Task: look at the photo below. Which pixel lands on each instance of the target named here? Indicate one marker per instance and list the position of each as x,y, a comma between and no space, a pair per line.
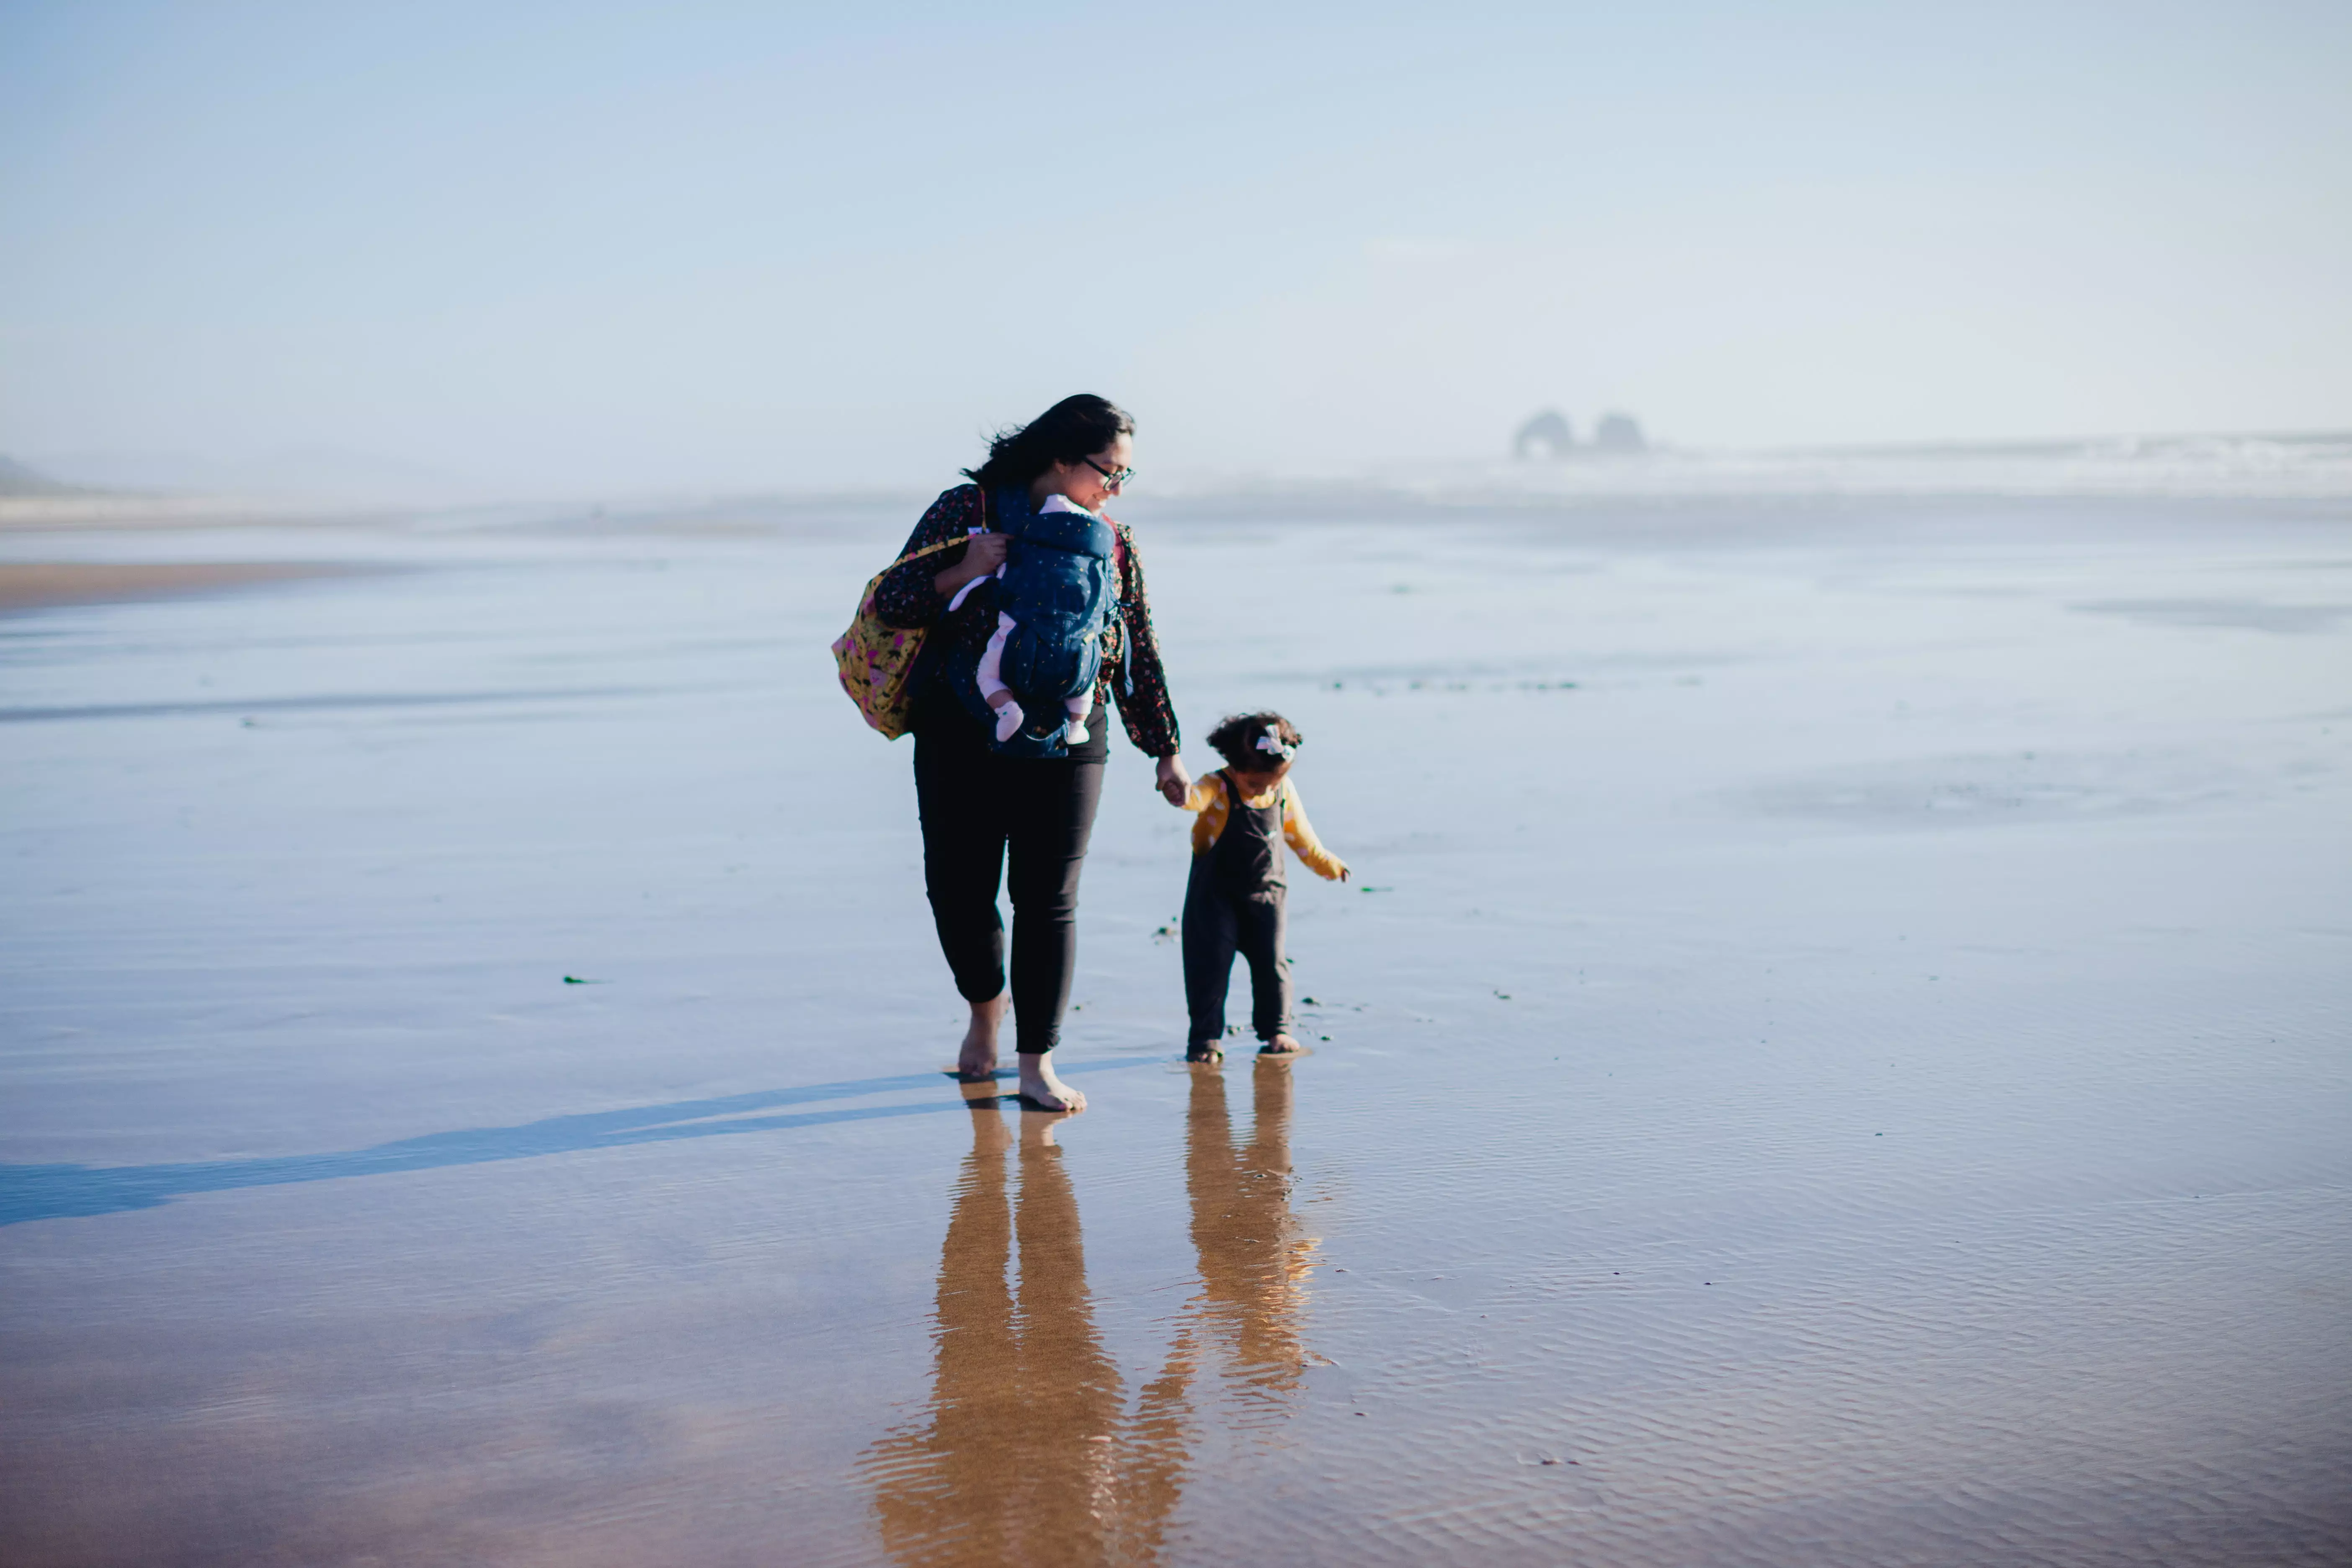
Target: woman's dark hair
1236,739
1073,428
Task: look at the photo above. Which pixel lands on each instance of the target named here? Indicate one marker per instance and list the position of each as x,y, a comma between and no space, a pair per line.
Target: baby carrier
1057,587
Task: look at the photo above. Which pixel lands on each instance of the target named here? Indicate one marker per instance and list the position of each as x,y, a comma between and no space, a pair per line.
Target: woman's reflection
1014,1463
1026,1453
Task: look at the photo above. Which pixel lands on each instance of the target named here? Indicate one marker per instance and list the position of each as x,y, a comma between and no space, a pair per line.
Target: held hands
1174,782
982,554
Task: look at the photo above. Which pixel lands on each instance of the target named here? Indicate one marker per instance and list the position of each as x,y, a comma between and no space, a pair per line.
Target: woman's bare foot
1280,1045
1202,1051
1041,1088
976,1063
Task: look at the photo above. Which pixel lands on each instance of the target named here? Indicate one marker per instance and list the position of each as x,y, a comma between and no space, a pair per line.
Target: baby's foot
1280,1045
1077,733
1202,1051
1043,1089
1008,720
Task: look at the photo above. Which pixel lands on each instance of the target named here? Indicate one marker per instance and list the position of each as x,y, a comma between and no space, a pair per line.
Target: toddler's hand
1344,873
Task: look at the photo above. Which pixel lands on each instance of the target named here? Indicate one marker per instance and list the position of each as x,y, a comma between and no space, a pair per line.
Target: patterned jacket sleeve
905,597
1147,712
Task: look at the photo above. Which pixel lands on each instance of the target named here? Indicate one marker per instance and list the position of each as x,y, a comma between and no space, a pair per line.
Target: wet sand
83,512
1838,1052
39,585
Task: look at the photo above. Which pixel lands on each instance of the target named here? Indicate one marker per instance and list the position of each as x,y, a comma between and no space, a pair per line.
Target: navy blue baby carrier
1057,587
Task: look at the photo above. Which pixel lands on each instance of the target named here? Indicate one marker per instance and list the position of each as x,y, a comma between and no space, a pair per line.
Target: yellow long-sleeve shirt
1211,797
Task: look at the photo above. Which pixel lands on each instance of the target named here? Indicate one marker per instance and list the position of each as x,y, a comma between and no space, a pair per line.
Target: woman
976,804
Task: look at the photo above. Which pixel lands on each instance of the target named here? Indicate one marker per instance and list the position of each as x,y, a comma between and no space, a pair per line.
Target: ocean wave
2289,466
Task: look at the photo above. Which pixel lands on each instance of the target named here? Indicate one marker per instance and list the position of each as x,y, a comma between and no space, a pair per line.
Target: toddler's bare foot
976,1063
1280,1045
1202,1051
1041,1088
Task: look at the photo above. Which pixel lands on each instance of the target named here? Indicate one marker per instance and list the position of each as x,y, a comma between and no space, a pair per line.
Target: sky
573,248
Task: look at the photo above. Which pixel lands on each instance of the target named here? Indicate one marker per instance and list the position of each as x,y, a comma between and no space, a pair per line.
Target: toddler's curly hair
1236,737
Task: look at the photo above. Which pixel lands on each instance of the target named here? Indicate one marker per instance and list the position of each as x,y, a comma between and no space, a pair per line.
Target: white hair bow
1272,742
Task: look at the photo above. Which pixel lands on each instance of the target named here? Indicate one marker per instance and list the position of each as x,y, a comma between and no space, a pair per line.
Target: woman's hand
982,554
1174,781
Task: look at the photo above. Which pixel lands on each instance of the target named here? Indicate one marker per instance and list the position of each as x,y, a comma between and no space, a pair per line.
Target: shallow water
1837,1052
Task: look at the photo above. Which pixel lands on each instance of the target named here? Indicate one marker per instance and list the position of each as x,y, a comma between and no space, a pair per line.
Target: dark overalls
1233,901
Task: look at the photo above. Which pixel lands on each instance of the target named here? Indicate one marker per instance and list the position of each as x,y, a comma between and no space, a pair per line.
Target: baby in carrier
1248,810
1054,600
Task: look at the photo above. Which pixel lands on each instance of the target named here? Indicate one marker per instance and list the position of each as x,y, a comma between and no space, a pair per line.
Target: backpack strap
964,538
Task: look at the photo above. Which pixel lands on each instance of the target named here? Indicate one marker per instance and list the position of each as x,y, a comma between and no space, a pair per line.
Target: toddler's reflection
1254,1258
1022,1455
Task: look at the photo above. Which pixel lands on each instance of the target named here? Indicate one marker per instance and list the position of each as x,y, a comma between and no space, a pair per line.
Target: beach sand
40,583
1838,1051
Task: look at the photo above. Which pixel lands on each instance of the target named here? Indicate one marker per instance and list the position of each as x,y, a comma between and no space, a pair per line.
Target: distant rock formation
1619,433
1547,430
15,479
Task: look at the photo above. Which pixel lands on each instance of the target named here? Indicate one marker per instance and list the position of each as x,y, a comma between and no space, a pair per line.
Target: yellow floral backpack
877,660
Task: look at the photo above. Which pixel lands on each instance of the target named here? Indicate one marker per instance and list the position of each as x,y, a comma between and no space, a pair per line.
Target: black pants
1218,922
976,806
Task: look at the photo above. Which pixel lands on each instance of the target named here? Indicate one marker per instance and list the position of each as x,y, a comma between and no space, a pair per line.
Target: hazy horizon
582,249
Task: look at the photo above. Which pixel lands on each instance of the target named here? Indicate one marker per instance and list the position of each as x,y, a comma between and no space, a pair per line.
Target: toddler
1248,810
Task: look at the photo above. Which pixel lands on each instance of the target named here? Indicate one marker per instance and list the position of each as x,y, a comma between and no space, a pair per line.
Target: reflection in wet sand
1014,1462
1254,1258
1026,1452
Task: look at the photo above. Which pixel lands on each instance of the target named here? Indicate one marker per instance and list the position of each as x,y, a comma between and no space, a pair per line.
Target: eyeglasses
1114,477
